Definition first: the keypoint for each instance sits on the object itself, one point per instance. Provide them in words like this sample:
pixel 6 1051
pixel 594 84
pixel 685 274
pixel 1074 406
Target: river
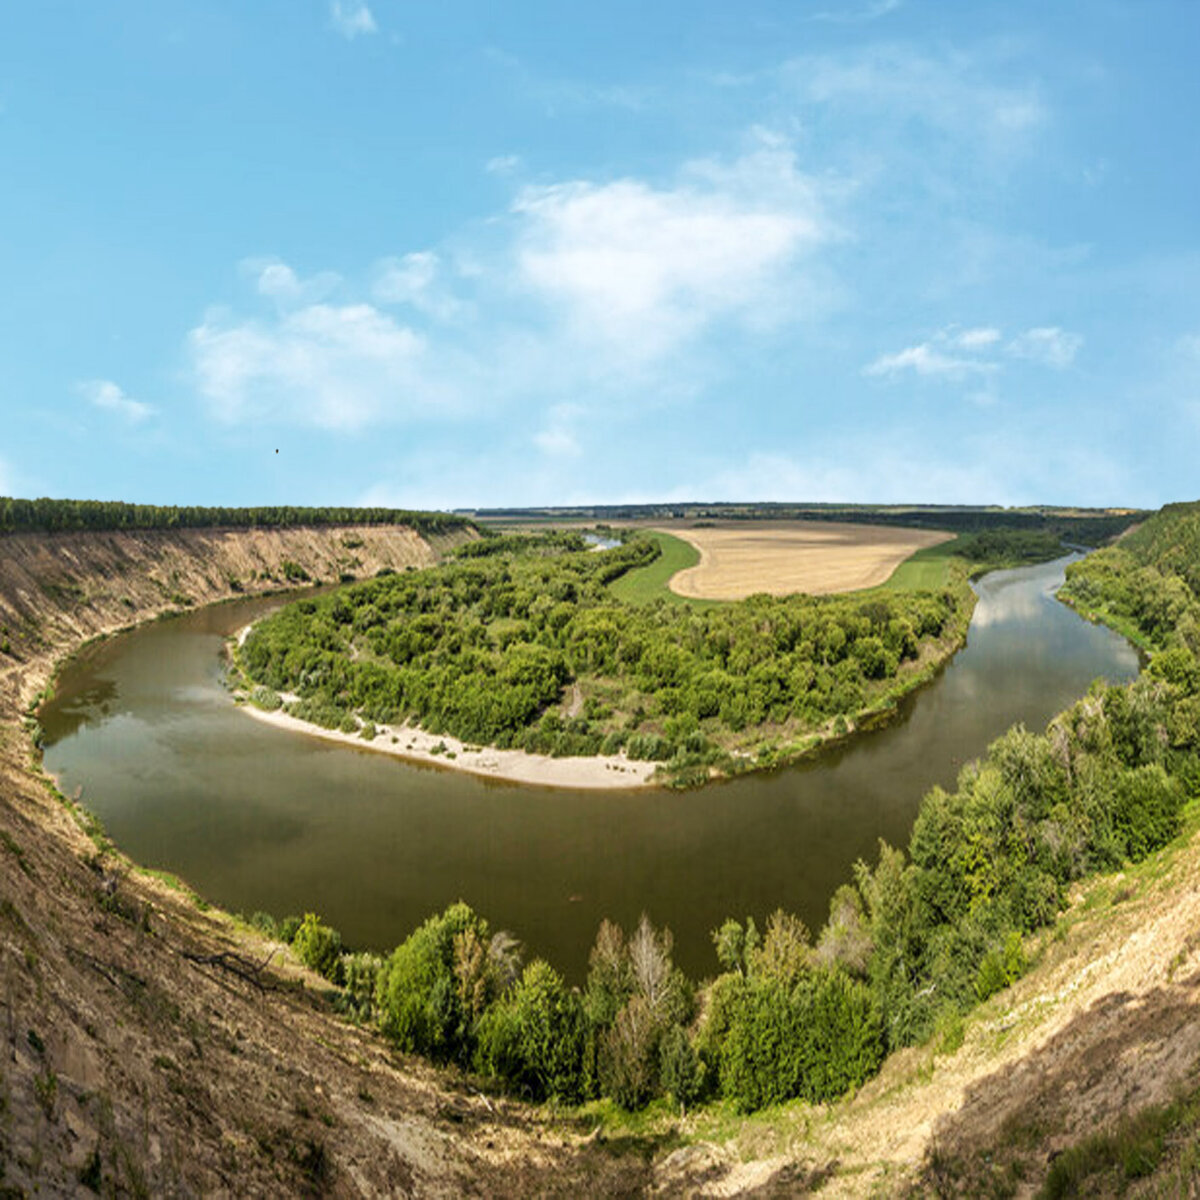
pixel 259 818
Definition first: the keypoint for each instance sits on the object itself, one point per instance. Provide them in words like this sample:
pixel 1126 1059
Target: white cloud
pixel 278 281
pixel 558 439
pixel 1049 346
pixel 106 395
pixel 502 164
pixel 641 268
pixel 351 17
pixel 956 354
pixel 925 360
pixel 415 280
pixel 337 368
pixel 587 289
pixel 976 339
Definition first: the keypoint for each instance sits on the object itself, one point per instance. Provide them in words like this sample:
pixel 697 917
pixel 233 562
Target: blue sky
pixel 304 251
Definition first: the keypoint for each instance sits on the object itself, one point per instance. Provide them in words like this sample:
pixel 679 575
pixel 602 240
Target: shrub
pixel 319 947
pixel 533 1038
pixel 418 995
pixel 265 698
pixel 679 1068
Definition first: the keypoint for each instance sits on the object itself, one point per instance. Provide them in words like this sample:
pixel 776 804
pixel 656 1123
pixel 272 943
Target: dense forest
pixel 62 516
pixel 519 642
pixel 911 943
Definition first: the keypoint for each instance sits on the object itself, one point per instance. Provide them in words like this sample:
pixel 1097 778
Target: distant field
pixel 737 559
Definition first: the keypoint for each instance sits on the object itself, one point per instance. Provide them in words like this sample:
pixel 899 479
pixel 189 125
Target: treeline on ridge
pixel 483 648
pixel 62 516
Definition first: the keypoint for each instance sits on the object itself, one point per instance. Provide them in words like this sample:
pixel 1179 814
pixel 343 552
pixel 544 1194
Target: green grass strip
pixel 646 584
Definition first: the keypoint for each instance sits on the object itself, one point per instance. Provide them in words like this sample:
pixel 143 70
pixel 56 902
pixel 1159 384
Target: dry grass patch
pixel 739 558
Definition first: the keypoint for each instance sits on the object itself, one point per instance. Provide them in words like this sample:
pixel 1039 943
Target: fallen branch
pixel 244 968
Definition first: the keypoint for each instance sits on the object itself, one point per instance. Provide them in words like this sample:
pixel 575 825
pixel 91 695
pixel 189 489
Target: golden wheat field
pixel 740 558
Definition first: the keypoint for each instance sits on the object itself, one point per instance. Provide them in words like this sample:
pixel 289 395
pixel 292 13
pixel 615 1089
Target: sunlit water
pixel 259 818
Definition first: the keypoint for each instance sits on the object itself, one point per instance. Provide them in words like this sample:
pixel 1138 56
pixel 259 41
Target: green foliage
pixel 534 1037
pixel 814 1037
pixel 360 979
pixel 679 1067
pixel 734 943
pixel 418 994
pixel 319 947
pixel 1001 966
pixel 484 648
pixel 1009 547
pixel 265 698
pixel 57 516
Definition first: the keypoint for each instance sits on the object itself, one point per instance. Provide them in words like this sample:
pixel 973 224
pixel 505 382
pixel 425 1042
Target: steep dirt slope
pixel 143 1050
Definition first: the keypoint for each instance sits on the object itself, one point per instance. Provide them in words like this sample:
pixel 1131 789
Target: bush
pixel 360 977
pixel 319 947
pixel 533 1038
pixel 679 1068
pixel 417 994
pixel 814 1039
pixel 265 698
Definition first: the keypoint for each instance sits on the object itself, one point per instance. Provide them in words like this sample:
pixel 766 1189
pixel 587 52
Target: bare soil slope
pixel 740 558
pixel 145 1052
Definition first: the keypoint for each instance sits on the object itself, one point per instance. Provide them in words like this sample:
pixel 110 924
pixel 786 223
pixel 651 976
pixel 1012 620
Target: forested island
pixel 519 642
pixel 911 944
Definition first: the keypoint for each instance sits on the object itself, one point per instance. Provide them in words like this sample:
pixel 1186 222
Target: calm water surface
pixel 259 818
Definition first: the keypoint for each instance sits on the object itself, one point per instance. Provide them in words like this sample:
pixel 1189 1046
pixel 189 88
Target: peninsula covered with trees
pixel 518 642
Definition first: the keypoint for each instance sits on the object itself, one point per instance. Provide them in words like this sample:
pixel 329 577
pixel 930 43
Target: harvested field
pixel 739 558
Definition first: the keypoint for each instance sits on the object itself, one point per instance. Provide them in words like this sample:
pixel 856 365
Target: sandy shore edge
pixel 412 744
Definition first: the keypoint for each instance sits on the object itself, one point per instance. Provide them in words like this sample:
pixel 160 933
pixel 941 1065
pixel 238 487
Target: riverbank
pixel 415 745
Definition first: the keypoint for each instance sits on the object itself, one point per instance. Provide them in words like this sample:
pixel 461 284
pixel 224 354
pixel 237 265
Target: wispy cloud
pixel 856 14
pixel 957 354
pixel 557 438
pixel 351 18
pixel 280 282
pixel 337 368
pixel 414 279
pixel 967 97
pixel 598 290
pixel 106 395
pixel 502 164
pixel 925 359
pixel 1049 345
pixel 976 339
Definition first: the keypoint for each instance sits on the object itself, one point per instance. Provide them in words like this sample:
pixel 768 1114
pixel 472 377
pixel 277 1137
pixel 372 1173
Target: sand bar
pixel 415 745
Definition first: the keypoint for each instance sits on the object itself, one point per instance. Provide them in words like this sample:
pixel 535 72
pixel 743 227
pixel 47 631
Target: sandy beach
pixel 513 766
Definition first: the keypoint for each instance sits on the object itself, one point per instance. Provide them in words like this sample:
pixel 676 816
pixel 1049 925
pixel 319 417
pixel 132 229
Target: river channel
pixel 256 818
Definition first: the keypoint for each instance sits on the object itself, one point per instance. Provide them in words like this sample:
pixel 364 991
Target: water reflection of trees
pixel 89 706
